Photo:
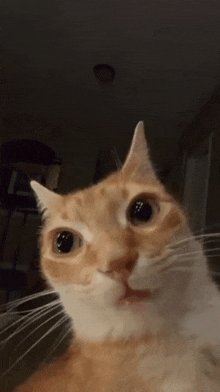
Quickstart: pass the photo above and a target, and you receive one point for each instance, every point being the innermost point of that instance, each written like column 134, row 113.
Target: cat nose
column 122, row 263
column 126, row 264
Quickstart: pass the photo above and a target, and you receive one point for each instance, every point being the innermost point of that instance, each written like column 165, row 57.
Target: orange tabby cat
column 133, row 278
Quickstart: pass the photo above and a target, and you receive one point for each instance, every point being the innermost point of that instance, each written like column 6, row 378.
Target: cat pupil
column 64, row 241
column 140, row 211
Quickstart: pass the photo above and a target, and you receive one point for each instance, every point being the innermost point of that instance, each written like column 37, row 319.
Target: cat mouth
column 133, row 296
column 129, row 296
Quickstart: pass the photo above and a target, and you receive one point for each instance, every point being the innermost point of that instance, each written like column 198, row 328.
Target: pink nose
column 121, row 275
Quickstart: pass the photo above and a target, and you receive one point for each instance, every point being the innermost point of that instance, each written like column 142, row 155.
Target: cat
column 135, row 281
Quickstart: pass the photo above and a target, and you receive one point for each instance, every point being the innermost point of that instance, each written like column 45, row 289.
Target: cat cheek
column 66, row 273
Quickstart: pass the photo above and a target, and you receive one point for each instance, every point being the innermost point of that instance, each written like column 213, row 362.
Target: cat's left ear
column 46, row 199
column 138, row 163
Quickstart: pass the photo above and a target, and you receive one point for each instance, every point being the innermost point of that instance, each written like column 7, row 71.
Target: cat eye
column 141, row 210
column 66, row 241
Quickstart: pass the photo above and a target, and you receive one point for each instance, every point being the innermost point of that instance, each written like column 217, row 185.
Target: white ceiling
column 165, row 55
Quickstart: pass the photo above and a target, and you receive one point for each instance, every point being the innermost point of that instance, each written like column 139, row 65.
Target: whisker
column 19, row 312
column 29, row 321
column 27, row 298
column 21, row 315
column 212, row 241
column 207, row 256
column 28, row 311
column 186, row 269
column 205, row 228
column 57, row 342
column 24, row 317
column 56, row 325
column 161, row 266
column 195, row 237
column 198, row 252
column 39, row 326
column 176, row 260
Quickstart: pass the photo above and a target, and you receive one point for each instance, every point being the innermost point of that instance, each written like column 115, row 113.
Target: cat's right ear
column 46, row 199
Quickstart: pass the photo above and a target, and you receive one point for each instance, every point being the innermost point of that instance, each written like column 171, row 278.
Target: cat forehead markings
column 94, row 198
column 108, row 198
column 103, row 204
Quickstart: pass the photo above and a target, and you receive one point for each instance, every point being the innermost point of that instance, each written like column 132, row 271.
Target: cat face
column 106, row 244
column 107, row 228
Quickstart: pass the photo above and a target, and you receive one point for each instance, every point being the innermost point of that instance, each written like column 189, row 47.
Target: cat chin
column 116, row 323
column 98, row 320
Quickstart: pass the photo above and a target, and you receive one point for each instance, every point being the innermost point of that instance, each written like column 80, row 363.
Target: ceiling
column 166, row 60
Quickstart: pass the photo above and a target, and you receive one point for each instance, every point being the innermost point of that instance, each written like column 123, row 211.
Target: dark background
column 62, row 125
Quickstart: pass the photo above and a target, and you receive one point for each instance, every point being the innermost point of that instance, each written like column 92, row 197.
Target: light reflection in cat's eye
column 141, row 210
column 66, row 241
